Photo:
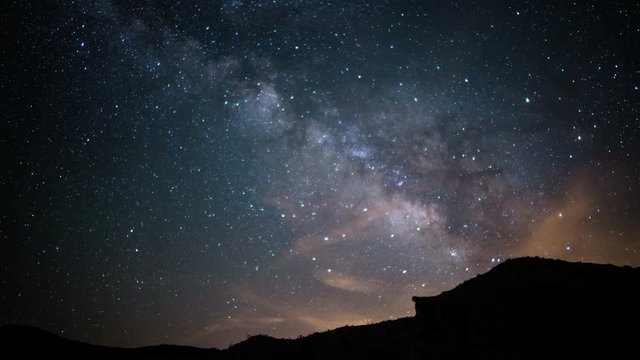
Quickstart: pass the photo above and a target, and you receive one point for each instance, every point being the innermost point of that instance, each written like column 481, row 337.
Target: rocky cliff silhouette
column 525, row 308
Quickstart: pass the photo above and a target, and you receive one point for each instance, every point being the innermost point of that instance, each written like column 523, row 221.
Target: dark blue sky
column 193, row 172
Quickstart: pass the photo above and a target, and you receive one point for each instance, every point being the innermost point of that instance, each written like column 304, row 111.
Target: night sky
column 194, row 172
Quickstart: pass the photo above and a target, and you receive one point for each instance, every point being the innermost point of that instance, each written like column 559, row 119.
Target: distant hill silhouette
column 525, row 308
column 25, row 342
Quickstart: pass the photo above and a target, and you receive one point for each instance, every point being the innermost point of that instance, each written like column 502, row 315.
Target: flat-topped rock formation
column 526, row 308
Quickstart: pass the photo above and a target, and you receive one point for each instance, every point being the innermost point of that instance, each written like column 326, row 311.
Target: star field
column 194, row 172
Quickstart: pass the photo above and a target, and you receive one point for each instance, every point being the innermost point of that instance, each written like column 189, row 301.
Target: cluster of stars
column 200, row 172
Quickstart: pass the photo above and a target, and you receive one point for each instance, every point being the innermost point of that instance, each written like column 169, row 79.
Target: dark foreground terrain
column 526, row 308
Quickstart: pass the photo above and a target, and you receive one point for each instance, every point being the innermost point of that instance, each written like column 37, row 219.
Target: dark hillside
column 526, row 308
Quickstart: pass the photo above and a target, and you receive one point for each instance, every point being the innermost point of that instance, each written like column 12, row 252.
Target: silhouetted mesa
column 526, row 308
column 542, row 306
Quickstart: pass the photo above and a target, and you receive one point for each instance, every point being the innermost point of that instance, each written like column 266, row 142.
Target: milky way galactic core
column 194, row 172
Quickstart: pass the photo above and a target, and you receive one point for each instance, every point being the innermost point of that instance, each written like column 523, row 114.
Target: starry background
column 193, row 172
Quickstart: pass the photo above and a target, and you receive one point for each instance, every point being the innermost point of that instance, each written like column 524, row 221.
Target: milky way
column 192, row 173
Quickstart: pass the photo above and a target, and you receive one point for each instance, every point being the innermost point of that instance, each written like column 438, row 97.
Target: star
column 213, row 166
